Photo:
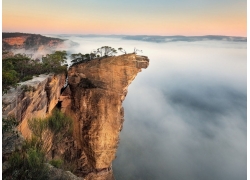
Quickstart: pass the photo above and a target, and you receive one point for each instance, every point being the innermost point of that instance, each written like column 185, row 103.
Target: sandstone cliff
column 33, row 99
column 31, row 42
column 34, row 45
column 94, row 99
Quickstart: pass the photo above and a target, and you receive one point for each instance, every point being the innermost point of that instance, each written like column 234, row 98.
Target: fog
column 186, row 114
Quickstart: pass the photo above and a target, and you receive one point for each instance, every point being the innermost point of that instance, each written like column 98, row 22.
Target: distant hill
column 161, row 39
column 34, row 42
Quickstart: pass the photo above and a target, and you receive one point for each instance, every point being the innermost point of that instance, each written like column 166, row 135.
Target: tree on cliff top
column 122, row 50
column 106, row 51
column 82, row 57
column 53, row 62
column 19, row 68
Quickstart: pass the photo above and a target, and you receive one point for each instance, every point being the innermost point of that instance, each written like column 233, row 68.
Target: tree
column 137, row 50
column 53, row 62
column 106, row 51
column 122, row 50
column 78, row 57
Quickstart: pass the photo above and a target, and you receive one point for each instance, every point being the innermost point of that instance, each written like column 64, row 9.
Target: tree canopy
column 22, row 68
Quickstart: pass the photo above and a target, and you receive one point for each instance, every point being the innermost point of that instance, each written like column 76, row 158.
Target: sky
column 130, row 17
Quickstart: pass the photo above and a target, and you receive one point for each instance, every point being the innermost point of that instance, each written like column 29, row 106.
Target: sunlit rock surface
column 94, row 99
column 29, row 42
column 32, row 99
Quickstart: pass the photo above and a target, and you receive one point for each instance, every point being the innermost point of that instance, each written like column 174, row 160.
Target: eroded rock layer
column 29, row 42
column 94, row 99
column 33, row 99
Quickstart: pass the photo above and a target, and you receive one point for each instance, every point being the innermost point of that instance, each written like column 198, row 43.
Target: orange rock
column 94, row 99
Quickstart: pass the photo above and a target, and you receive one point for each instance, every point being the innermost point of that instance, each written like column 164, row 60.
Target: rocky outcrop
column 33, row 99
column 94, row 99
column 55, row 174
column 31, row 42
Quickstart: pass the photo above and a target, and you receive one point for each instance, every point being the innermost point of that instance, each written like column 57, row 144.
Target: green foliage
column 106, row 51
column 27, row 164
column 38, row 126
column 22, row 68
column 26, row 78
column 33, row 142
column 78, row 58
column 53, row 62
column 103, row 51
column 56, row 163
column 26, row 88
column 122, row 50
column 8, row 124
column 59, row 122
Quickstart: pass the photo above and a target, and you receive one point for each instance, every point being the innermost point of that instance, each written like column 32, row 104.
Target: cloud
column 185, row 115
column 164, row 39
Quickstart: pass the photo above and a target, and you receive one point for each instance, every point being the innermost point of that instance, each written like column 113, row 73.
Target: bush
column 27, row 164
column 8, row 124
column 26, row 88
column 21, row 68
column 38, row 126
column 26, row 78
column 56, row 163
column 60, row 122
column 34, row 142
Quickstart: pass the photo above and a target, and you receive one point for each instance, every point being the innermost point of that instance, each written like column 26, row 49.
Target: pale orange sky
column 185, row 17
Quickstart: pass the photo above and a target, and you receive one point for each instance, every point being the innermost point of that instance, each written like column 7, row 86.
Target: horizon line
column 127, row 34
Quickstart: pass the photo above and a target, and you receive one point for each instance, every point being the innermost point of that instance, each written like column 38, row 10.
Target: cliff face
column 94, row 99
column 33, row 99
column 31, row 42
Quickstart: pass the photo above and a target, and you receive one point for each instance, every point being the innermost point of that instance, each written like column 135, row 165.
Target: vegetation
column 59, row 122
column 8, row 124
column 27, row 163
column 22, row 68
column 103, row 51
column 53, row 62
column 106, row 51
column 56, row 163
column 38, row 126
column 122, row 50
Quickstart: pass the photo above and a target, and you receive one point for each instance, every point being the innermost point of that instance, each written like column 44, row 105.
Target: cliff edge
column 32, row 99
column 93, row 98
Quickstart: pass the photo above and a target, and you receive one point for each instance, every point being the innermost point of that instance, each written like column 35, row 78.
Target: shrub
column 38, row 126
column 56, row 163
column 60, row 122
column 27, row 164
column 34, row 142
column 8, row 124
column 26, row 88
column 26, row 78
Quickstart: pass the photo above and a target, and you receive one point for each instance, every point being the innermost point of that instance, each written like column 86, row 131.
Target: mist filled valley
column 124, row 90
column 186, row 114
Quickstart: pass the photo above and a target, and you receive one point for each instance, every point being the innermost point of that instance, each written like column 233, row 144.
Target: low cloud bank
column 185, row 116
